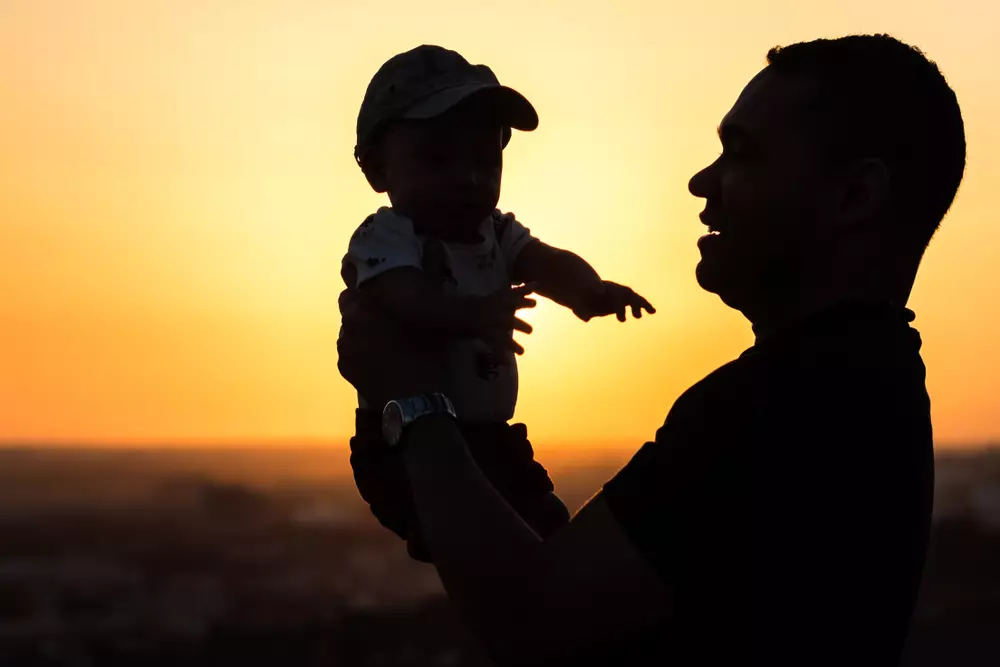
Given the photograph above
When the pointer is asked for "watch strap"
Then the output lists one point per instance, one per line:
(422, 405)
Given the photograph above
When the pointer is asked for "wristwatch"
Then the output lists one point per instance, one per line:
(400, 413)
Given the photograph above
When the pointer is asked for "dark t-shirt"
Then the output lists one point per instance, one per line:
(787, 498)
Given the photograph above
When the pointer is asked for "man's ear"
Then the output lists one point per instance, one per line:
(372, 164)
(867, 191)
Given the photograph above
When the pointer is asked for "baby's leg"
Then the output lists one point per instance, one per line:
(507, 459)
(380, 476)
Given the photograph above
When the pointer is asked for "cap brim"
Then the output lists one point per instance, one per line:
(514, 108)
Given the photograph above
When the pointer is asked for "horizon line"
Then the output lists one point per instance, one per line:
(252, 444)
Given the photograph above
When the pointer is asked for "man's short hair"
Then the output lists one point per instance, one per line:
(881, 98)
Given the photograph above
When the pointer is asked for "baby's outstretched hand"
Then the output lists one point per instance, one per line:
(607, 298)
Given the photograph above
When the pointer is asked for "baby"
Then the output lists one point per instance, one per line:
(442, 260)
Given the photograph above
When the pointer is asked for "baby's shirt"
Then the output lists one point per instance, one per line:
(481, 388)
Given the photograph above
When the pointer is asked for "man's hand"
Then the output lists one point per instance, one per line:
(607, 298)
(496, 317)
(383, 362)
(379, 359)
(499, 309)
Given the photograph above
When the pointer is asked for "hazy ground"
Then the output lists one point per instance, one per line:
(267, 557)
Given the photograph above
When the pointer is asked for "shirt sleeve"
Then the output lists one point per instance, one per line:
(383, 242)
(648, 497)
(513, 237)
(682, 501)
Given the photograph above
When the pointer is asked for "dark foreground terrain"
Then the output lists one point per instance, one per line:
(268, 558)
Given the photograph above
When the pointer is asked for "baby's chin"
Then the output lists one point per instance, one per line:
(458, 222)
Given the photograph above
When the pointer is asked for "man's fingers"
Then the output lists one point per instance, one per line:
(636, 311)
(502, 343)
(621, 314)
(526, 289)
(524, 302)
(522, 326)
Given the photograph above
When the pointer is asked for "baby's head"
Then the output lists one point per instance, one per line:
(431, 133)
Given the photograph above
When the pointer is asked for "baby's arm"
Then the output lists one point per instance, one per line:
(569, 280)
(557, 274)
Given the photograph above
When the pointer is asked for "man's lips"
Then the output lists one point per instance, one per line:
(713, 227)
(714, 232)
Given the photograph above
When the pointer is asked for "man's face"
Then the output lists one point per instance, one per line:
(445, 173)
(763, 196)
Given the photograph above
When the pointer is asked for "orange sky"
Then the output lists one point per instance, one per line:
(177, 189)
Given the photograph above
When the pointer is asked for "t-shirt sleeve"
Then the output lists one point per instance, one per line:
(513, 238)
(647, 497)
(682, 501)
(383, 242)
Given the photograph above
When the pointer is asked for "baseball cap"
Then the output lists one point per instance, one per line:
(427, 81)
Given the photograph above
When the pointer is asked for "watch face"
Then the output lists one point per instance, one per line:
(392, 423)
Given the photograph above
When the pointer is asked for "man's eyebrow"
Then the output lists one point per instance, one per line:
(726, 130)
(731, 132)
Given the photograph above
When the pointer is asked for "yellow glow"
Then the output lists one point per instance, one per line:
(177, 189)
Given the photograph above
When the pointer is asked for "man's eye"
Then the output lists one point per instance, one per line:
(735, 151)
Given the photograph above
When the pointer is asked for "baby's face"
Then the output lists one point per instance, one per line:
(444, 173)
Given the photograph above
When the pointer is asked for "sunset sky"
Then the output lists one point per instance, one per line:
(177, 190)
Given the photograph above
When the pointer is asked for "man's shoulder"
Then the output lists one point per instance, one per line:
(703, 422)
(719, 393)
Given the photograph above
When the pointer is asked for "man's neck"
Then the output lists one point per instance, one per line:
(770, 321)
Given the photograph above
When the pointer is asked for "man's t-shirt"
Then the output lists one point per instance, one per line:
(787, 498)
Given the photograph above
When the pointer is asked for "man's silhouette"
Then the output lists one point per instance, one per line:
(782, 512)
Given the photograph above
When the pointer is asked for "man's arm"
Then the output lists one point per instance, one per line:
(528, 601)
(559, 274)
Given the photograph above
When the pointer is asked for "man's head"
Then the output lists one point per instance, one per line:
(431, 133)
(841, 157)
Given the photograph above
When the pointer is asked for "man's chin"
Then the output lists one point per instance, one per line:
(722, 283)
(709, 278)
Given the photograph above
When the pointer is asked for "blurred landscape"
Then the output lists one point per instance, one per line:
(268, 557)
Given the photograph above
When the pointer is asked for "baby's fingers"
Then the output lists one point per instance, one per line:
(639, 304)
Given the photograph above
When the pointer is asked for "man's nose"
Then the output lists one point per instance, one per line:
(702, 184)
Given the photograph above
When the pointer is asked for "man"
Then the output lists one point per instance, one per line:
(783, 510)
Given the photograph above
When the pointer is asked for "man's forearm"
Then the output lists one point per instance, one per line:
(487, 556)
